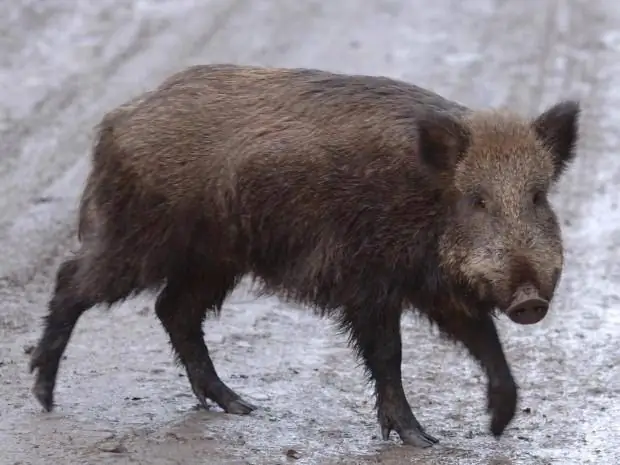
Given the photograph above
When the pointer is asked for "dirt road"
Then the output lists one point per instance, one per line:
(120, 397)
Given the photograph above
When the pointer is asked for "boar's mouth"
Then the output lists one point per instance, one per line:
(527, 306)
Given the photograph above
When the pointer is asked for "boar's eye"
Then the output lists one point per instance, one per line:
(478, 202)
(538, 198)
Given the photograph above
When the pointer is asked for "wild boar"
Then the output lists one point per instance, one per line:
(357, 196)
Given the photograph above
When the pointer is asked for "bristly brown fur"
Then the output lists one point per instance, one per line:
(358, 196)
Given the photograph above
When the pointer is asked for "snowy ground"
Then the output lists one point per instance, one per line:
(120, 397)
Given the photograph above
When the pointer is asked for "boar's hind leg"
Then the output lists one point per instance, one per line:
(375, 334)
(65, 308)
(479, 336)
(181, 307)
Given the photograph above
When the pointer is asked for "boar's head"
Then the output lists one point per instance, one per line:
(502, 238)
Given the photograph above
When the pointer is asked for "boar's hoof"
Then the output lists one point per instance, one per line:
(44, 393)
(527, 307)
(236, 406)
(412, 435)
(240, 407)
(502, 403)
(226, 398)
(417, 438)
(43, 389)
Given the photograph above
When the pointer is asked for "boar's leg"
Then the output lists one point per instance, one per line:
(181, 307)
(479, 336)
(65, 308)
(375, 334)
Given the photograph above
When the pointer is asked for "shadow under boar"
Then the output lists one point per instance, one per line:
(358, 196)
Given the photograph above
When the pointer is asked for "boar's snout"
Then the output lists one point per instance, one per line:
(527, 306)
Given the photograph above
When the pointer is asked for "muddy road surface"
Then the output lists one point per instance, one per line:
(120, 397)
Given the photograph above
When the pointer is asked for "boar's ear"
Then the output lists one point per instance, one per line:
(558, 128)
(442, 141)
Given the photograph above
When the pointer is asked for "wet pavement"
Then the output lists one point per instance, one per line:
(121, 399)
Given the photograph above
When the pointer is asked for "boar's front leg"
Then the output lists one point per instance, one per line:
(479, 336)
(375, 334)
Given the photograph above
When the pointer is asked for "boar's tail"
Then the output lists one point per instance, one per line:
(87, 211)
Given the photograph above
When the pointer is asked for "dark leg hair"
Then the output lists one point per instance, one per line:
(375, 334)
(479, 336)
(78, 288)
(181, 307)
